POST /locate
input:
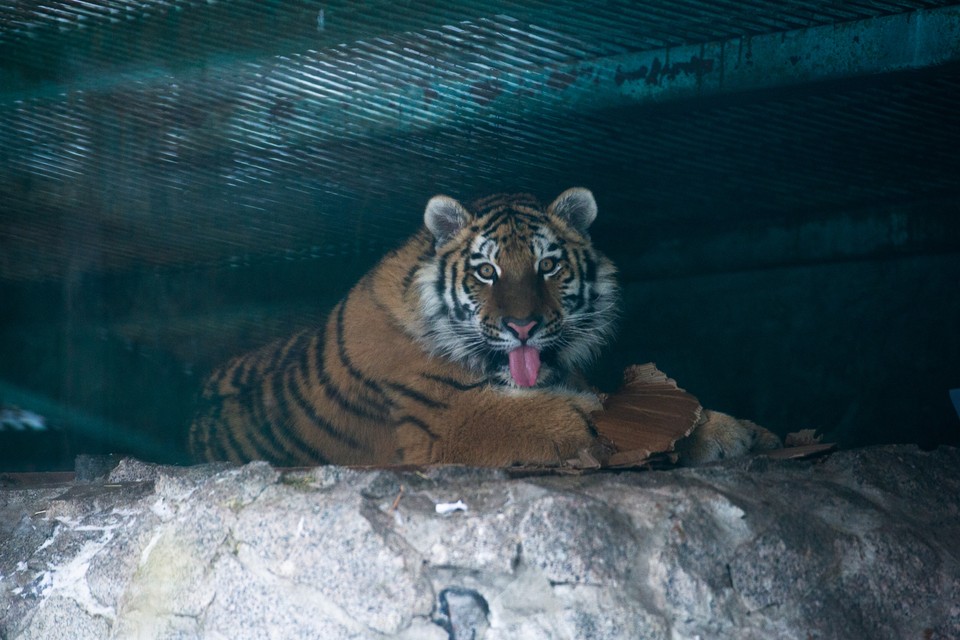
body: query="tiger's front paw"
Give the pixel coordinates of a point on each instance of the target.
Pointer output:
(721, 436)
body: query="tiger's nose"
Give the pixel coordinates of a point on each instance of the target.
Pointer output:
(521, 327)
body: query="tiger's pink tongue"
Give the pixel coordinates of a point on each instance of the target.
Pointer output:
(524, 365)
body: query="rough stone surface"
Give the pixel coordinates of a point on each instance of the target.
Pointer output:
(860, 544)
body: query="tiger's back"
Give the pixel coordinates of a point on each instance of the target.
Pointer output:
(276, 404)
(463, 346)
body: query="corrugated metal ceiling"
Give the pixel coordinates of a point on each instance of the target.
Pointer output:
(145, 31)
(182, 133)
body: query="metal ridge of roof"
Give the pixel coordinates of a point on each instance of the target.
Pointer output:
(61, 40)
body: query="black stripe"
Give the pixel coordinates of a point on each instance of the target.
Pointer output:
(417, 396)
(237, 378)
(283, 424)
(261, 424)
(252, 417)
(243, 452)
(227, 441)
(527, 217)
(272, 449)
(480, 205)
(291, 350)
(355, 373)
(310, 412)
(216, 447)
(590, 273)
(591, 427)
(378, 406)
(450, 382)
(250, 401)
(210, 405)
(460, 311)
(585, 268)
(440, 285)
(453, 279)
(217, 376)
(423, 257)
(199, 440)
(495, 220)
(333, 393)
(408, 278)
(417, 422)
(286, 425)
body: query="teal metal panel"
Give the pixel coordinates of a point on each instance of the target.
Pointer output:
(168, 133)
(372, 96)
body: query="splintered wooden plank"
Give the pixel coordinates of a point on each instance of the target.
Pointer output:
(800, 452)
(646, 416)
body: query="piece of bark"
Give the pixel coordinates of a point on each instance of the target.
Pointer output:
(646, 416)
(641, 424)
(801, 438)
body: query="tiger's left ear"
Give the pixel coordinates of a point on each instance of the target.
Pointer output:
(576, 207)
(444, 217)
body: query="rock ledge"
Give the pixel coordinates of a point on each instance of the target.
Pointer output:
(857, 544)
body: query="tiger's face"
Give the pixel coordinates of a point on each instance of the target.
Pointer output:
(516, 291)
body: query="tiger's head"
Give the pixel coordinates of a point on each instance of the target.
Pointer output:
(514, 290)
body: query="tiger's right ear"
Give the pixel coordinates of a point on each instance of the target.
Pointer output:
(577, 207)
(444, 217)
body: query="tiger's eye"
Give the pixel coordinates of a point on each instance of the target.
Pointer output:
(547, 265)
(487, 271)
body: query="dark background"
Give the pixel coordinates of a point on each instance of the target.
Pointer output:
(779, 183)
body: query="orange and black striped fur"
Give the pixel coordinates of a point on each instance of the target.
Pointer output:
(463, 346)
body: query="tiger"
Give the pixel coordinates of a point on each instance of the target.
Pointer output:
(465, 345)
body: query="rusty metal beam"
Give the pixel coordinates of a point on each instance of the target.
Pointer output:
(423, 81)
(902, 42)
(325, 99)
